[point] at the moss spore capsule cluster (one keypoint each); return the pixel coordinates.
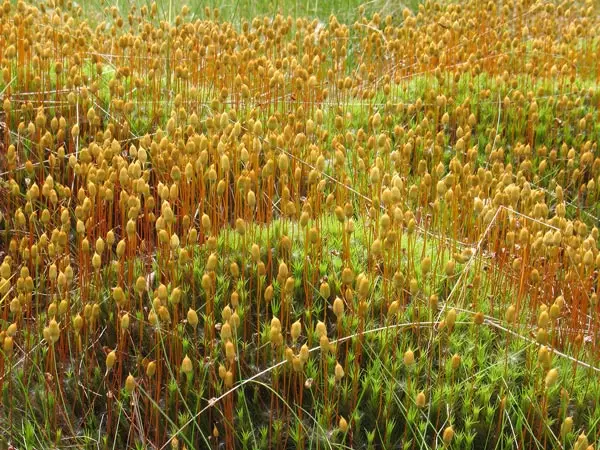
(370, 231)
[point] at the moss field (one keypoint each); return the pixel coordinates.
(299, 225)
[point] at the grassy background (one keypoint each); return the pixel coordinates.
(237, 10)
(492, 365)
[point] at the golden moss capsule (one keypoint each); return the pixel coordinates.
(478, 318)
(339, 372)
(11, 330)
(510, 314)
(421, 400)
(581, 443)
(450, 267)
(448, 435)
(409, 358)
(140, 285)
(110, 360)
(566, 426)
(451, 318)
(338, 307)
(296, 330)
(455, 361)
(228, 380)
(186, 365)
(229, 351)
(124, 322)
(8, 345)
(268, 295)
(151, 369)
(551, 378)
(343, 425)
(192, 318)
(130, 383)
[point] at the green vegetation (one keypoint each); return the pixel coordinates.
(270, 226)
